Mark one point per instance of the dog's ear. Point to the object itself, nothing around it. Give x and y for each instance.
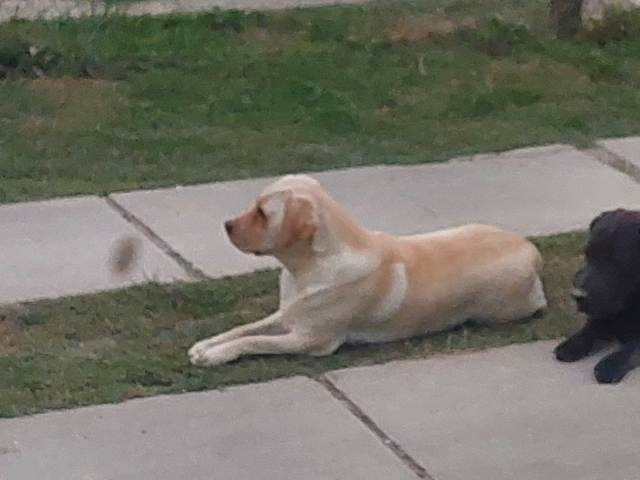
(274, 206)
(303, 220)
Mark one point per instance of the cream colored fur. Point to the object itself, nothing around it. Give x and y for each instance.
(342, 283)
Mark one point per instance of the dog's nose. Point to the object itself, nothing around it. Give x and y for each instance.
(228, 226)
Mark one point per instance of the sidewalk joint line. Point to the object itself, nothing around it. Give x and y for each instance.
(611, 159)
(139, 225)
(368, 422)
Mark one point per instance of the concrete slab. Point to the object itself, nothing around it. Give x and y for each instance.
(288, 429)
(191, 219)
(627, 148)
(502, 414)
(62, 247)
(533, 191)
(374, 198)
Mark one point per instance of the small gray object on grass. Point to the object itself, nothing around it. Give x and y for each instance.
(125, 254)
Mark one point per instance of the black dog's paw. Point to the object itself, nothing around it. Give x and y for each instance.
(572, 349)
(610, 369)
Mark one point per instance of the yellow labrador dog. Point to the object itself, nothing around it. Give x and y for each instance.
(342, 283)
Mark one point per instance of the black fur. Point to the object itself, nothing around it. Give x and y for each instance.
(610, 282)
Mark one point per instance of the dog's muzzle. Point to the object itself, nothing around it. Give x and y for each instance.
(580, 297)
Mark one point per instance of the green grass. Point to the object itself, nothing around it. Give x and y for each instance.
(118, 345)
(144, 102)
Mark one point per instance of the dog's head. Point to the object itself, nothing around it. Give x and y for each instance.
(283, 217)
(610, 277)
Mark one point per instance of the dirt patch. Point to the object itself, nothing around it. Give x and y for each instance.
(34, 124)
(85, 91)
(11, 328)
(536, 73)
(134, 391)
(78, 103)
(426, 27)
(253, 34)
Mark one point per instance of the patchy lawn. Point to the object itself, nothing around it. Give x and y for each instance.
(130, 343)
(107, 104)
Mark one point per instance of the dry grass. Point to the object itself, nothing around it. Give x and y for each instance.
(78, 104)
(11, 328)
(425, 27)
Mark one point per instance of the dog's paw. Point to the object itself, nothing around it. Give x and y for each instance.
(209, 357)
(198, 349)
(610, 370)
(572, 350)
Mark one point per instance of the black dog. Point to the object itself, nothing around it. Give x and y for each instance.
(607, 291)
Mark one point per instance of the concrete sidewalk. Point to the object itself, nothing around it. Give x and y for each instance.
(62, 247)
(502, 414)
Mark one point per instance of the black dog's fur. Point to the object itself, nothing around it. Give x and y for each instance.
(607, 291)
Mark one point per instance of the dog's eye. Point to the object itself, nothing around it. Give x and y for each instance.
(261, 213)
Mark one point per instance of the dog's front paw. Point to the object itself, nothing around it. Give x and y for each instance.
(197, 350)
(209, 357)
(610, 369)
(573, 349)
